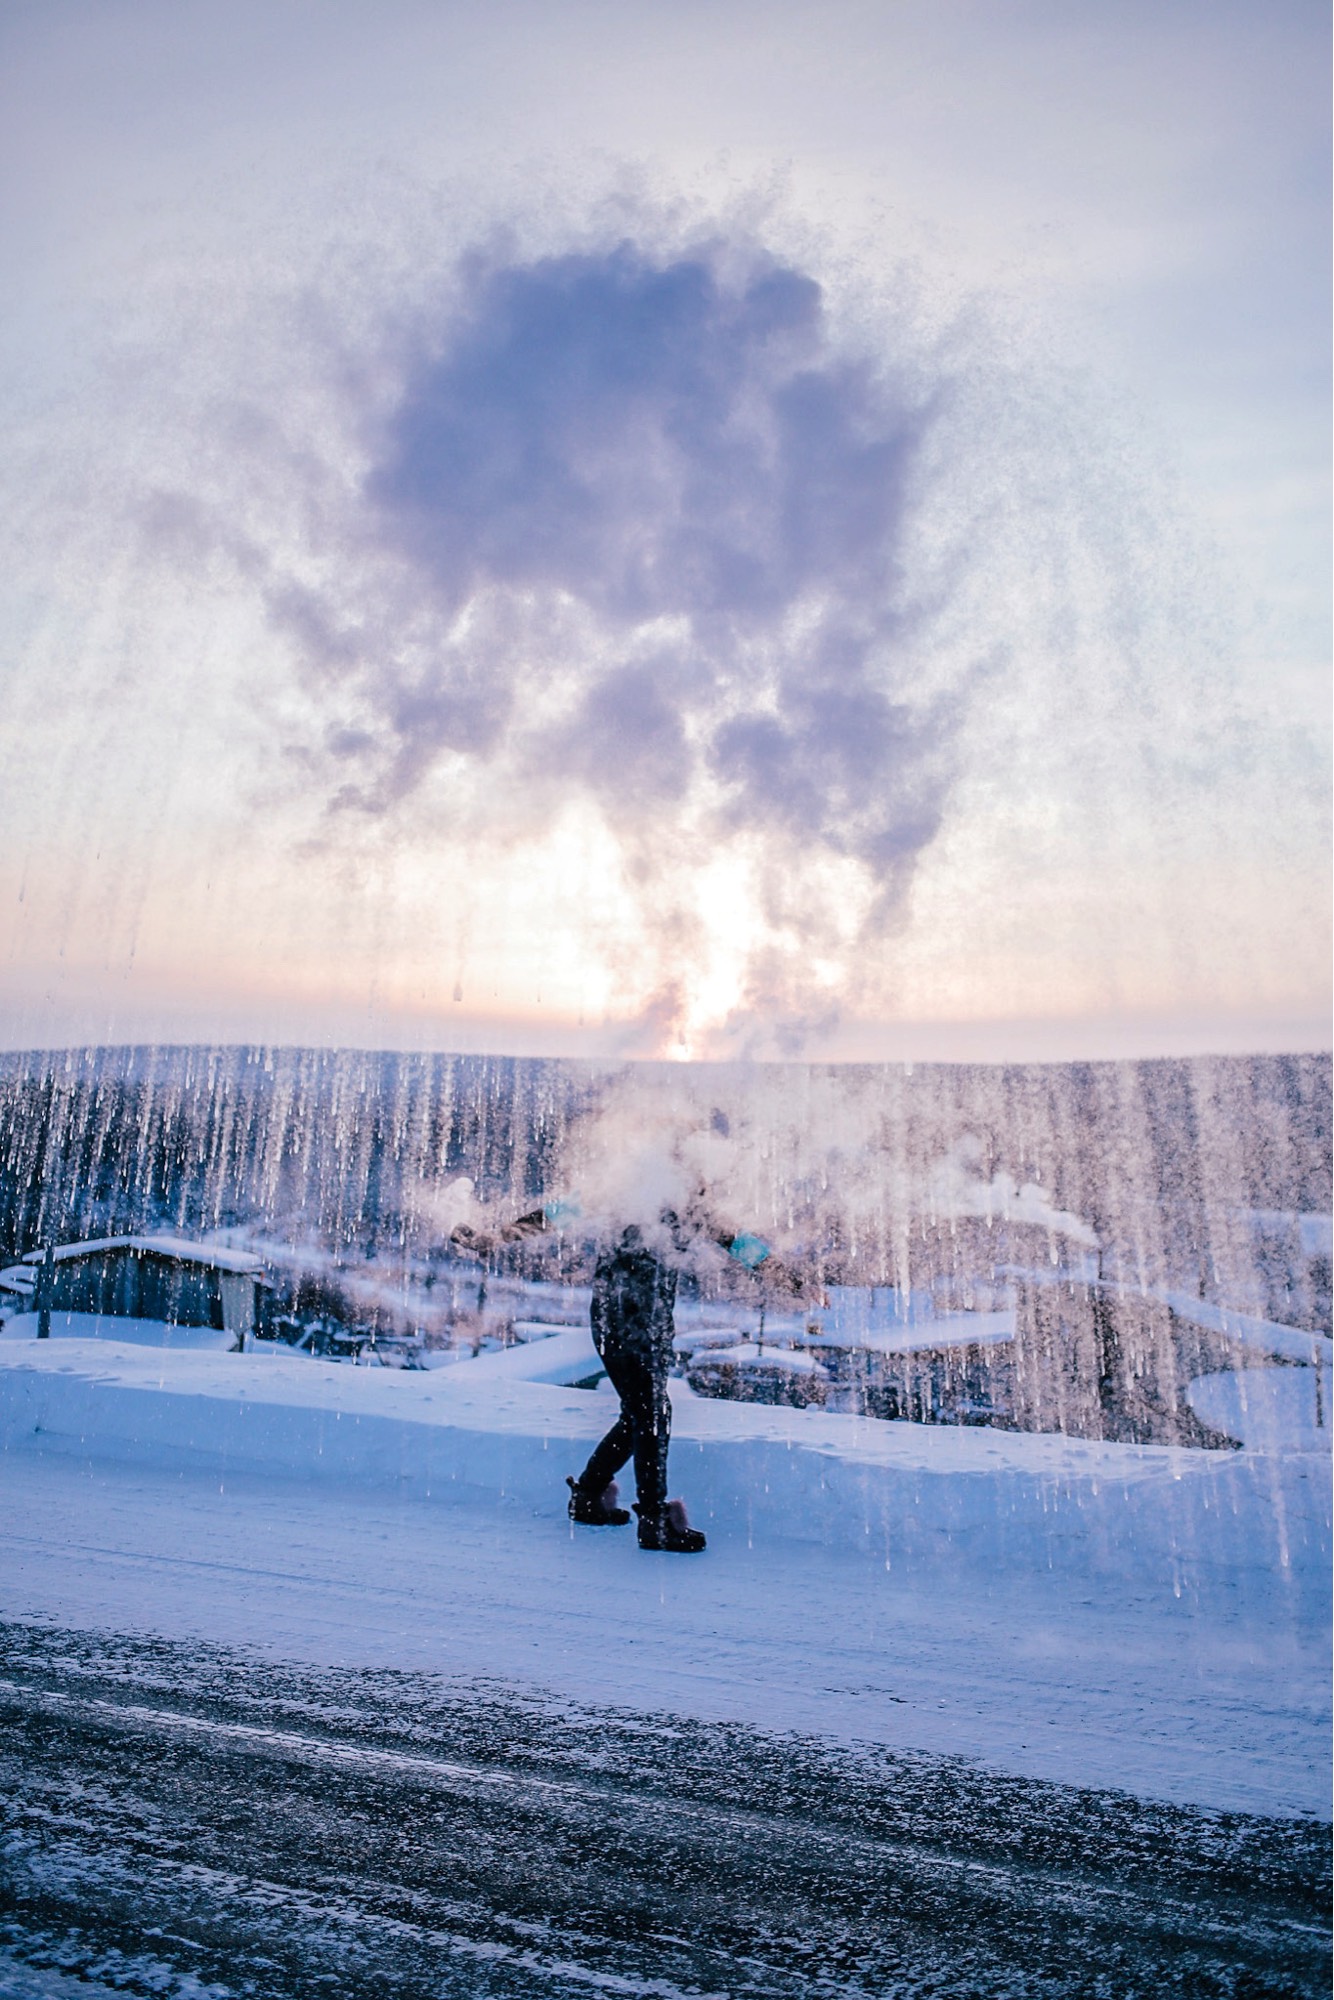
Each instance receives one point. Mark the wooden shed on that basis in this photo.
(164, 1278)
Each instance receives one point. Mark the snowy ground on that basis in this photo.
(1137, 1617)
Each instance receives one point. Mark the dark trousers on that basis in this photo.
(641, 1431)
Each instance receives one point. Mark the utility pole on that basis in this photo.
(45, 1286)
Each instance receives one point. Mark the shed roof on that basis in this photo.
(173, 1249)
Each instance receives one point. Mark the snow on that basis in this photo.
(1316, 1233)
(115, 1327)
(874, 1321)
(1144, 1617)
(181, 1249)
(542, 1329)
(1265, 1336)
(21, 1981)
(883, 1320)
(748, 1352)
(563, 1358)
(1269, 1409)
(965, 1329)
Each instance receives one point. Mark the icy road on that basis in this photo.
(186, 1820)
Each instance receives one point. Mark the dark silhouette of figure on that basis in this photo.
(634, 1292)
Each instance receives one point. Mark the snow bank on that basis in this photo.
(954, 1503)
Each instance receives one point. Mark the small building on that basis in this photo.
(874, 1351)
(895, 1354)
(163, 1278)
(749, 1372)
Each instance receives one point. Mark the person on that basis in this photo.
(631, 1315)
(634, 1293)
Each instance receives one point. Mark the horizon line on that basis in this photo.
(629, 1061)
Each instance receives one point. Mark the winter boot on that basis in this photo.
(669, 1531)
(596, 1510)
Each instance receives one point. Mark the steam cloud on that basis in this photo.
(823, 1161)
(636, 530)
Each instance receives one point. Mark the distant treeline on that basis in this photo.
(1163, 1160)
(113, 1140)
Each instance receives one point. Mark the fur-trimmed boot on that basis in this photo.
(669, 1530)
(596, 1510)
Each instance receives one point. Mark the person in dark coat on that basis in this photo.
(634, 1293)
(634, 1296)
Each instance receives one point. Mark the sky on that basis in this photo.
(646, 528)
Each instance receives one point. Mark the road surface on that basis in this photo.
(184, 1820)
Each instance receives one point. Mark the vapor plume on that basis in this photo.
(634, 534)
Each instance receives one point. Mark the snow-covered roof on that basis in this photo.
(1263, 1336)
(178, 1249)
(963, 1329)
(545, 1329)
(1314, 1227)
(747, 1354)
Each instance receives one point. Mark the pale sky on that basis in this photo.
(666, 528)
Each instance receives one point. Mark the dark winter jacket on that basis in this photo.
(633, 1296)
